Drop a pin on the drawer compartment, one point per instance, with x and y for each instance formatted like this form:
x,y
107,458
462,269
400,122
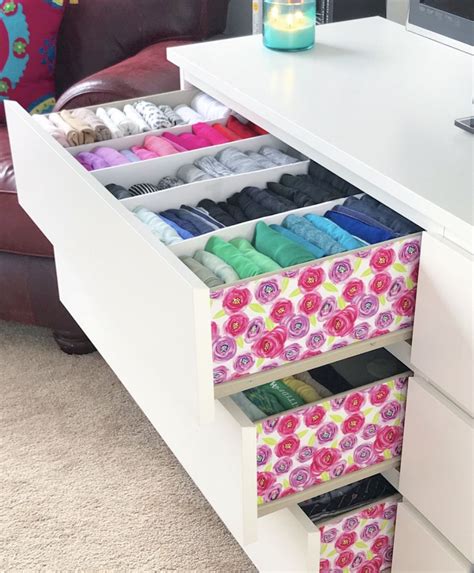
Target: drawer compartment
x,y
439,443
339,439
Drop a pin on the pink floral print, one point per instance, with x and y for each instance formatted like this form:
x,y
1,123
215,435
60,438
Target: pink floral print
x,y
333,437
298,314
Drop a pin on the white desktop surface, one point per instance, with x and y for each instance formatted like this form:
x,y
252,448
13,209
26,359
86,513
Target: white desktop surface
x,y
373,102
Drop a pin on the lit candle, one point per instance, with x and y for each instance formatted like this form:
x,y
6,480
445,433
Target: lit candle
x,y
289,25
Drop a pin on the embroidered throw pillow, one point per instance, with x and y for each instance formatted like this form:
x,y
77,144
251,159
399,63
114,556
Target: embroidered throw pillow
x,y
28,31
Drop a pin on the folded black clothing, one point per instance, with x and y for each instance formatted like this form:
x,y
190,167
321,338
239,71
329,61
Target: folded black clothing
x,y
320,173
330,379
288,204
349,497
217,212
234,211
319,194
250,207
267,201
118,191
299,198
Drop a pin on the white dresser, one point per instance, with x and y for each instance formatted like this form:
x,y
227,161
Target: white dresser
x,y
374,104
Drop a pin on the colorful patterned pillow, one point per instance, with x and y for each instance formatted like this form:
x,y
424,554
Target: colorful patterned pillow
x,y
28,31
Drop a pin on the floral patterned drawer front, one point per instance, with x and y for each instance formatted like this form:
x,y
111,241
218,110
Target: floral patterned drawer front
x,y
319,442
361,542
297,314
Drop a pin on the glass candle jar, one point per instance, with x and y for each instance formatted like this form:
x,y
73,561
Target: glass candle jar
x,y
289,25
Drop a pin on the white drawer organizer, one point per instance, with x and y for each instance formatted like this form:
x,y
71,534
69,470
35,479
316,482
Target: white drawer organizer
x,y
149,315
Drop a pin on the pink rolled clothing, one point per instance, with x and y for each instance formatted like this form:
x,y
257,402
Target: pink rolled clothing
x,y
111,155
159,145
188,140
91,161
208,132
143,154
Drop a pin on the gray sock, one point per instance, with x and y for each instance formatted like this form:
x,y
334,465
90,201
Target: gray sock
x,y
171,115
262,161
191,174
277,156
237,161
168,182
212,167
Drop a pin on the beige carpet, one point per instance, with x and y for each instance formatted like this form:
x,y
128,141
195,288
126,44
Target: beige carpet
x,y
85,481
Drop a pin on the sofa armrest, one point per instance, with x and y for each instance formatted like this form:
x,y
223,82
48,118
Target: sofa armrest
x,y
146,73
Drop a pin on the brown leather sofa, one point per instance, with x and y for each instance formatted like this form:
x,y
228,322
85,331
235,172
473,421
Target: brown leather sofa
x,y
107,50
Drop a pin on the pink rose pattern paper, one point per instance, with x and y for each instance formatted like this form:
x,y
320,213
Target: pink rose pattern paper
x,y
361,542
330,438
292,315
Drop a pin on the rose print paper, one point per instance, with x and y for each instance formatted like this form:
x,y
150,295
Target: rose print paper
x,y
330,438
361,542
297,314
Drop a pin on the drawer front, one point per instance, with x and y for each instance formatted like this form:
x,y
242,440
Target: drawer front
x,y
331,438
419,548
263,323
437,470
443,336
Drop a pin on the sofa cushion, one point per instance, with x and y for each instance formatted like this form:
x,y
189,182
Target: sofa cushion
x,y
18,233
28,32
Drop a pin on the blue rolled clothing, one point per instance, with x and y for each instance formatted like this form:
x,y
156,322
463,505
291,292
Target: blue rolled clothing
x,y
363,218
199,222
172,215
359,229
181,232
204,215
339,234
302,227
313,249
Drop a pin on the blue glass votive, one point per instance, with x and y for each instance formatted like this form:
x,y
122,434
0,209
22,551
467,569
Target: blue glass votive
x,y
289,25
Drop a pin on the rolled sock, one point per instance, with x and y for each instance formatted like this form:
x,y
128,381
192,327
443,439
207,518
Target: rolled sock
x,y
205,274
363,217
387,216
236,161
173,215
118,191
220,268
243,131
73,138
191,174
230,135
252,412
234,211
91,161
168,182
114,129
263,198
283,200
212,167
302,227
279,248
277,156
159,145
189,141
251,208
264,263
152,115
142,189
85,131
370,233
101,131
209,133
133,115
201,224
317,193
347,240
299,198
171,115
49,127
183,233
304,391
217,212
130,156
318,173
243,266
209,108
123,122
262,161
175,144
187,114
204,215
111,155
313,249
143,153
158,227
321,390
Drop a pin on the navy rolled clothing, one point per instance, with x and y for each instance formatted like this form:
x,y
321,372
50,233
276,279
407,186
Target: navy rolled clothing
x,y
199,212
261,196
299,198
363,218
181,232
217,212
318,194
234,211
283,200
250,207
173,215
359,229
320,173
118,191
199,222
